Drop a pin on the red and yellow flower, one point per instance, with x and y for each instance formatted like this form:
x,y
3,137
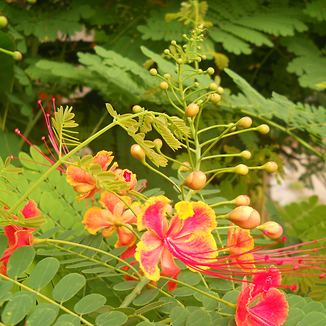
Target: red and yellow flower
x,y
18,236
114,217
187,236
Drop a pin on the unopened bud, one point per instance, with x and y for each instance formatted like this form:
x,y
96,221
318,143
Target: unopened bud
x,y
137,152
241,169
192,110
204,57
242,200
164,85
213,87
174,42
153,72
196,84
166,51
167,76
215,98
198,59
220,90
271,229
210,71
17,56
137,109
245,122
263,129
179,61
3,21
246,155
270,167
158,143
244,216
183,168
196,180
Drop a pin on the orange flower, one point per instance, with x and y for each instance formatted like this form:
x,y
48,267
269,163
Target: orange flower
x,y
127,176
187,236
113,218
82,181
240,245
18,236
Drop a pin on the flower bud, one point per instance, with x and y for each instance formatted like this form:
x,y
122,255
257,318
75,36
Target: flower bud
x,y
220,90
210,71
158,143
127,176
153,72
215,98
183,168
196,180
241,169
192,110
166,51
242,200
3,21
137,109
244,216
174,42
179,61
213,87
167,76
17,56
271,229
204,57
198,59
246,155
245,122
164,85
263,129
137,152
270,167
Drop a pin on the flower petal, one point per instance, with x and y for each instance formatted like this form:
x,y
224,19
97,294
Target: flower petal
x,y
30,209
94,220
201,222
169,268
152,215
76,176
109,200
266,279
148,260
10,231
125,237
184,209
104,159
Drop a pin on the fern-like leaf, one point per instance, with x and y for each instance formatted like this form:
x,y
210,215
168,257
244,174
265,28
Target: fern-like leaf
x,y
179,128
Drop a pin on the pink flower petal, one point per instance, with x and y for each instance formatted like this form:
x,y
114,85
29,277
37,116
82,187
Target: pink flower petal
x,y
30,209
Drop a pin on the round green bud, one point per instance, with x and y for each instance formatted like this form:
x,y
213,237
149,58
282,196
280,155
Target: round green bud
x,y
245,122
153,72
174,42
204,57
246,155
215,98
164,85
270,167
200,102
191,39
241,169
3,21
213,87
179,61
137,109
263,129
166,51
220,90
200,70
196,84
192,110
199,47
184,35
17,56
210,71
167,76
198,59
158,143
185,46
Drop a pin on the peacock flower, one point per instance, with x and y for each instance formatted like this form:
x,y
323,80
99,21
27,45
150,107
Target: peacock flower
x,y
240,244
18,236
271,309
82,181
187,235
114,217
127,176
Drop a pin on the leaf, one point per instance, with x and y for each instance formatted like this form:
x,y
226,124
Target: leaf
x,y
294,315
113,318
72,320
199,318
68,286
89,303
179,316
313,319
125,285
43,273
5,287
3,244
146,296
16,309
20,260
150,307
189,277
41,317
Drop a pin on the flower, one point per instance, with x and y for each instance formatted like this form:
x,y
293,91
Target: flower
x,y
187,235
113,218
240,244
272,307
17,236
127,176
82,181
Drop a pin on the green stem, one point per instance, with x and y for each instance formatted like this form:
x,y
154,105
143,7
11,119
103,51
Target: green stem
x,y
131,296
221,155
213,127
46,298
